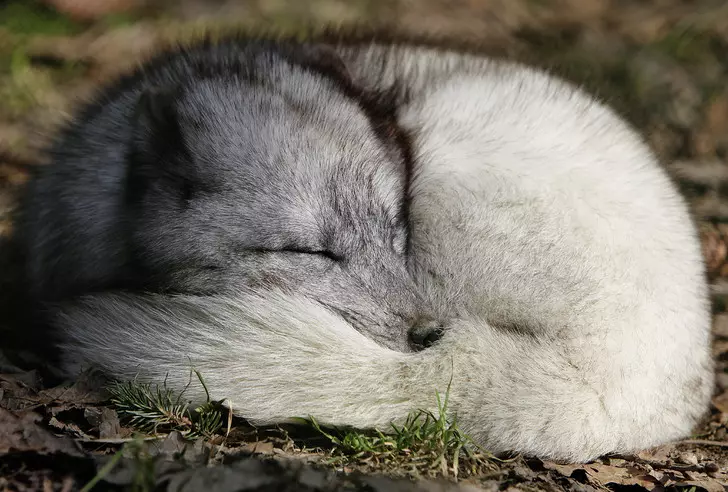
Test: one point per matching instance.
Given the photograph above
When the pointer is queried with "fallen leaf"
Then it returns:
(601, 475)
(75, 395)
(261, 447)
(720, 402)
(18, 391)
(660, 454)
(68, 427)
(720, 323)
(110, 426)
(22, 433)
(173, 443)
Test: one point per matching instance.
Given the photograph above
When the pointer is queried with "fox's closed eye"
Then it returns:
(303, 251)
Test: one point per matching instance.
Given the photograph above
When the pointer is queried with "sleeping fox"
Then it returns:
(341, 228)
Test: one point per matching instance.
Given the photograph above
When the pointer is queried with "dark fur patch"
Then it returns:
(138, 107)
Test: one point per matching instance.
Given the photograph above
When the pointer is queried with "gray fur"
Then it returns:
(259, 169)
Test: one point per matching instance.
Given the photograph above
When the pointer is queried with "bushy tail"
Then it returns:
(275, 358)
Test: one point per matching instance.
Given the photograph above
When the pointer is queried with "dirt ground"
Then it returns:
(661, 63)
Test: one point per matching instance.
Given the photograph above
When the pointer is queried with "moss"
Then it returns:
(19, 85)
(688, 45)
(31, 18)
(119, 20)
(24, 86)
(25, 82)
(8, 45)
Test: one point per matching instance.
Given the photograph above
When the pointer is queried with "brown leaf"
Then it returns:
(565, 470)
(720, 325)
(106, 420)
(18, 391)
(661, 454)
(22, 433)
(84, 391)
(69, 428)
(260, 447)
(720, 402)
(173, 443)
(719, 347)
(601, 475)
(693, 479)
(715, 248)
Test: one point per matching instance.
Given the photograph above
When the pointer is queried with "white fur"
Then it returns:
(545, 229)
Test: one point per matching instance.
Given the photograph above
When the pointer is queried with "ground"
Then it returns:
(661, 63)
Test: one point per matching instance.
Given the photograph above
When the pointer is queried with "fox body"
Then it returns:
(300, 259)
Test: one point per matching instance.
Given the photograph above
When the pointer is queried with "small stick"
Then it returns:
(705, 442)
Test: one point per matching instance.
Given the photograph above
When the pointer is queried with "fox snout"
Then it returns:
(425, 331)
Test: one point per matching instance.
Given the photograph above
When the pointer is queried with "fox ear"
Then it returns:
(328, 60)
(156, 141)
(155, 127)
(155, 116)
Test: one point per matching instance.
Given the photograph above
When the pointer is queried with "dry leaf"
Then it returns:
(260, 447)
(601, 475)
(720, 402)
(22, 433)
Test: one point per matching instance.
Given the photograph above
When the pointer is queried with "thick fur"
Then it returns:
(542, 230)
(252, 164)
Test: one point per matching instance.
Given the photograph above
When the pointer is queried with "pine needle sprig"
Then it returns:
(153, 409)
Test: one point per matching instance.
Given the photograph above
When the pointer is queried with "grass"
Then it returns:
(688, 45)
(152, 409)
(143, 477)
(425, 445)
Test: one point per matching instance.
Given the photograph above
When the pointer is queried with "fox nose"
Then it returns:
(424, 333)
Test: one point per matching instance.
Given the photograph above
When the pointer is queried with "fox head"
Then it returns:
(250, 166)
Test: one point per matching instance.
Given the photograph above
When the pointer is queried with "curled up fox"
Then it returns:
(340, 228)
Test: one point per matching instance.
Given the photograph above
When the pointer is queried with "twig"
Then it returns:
(705, 442)
(122, 440)
(229, 420)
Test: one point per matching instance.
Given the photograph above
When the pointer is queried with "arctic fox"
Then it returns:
(543, 234)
